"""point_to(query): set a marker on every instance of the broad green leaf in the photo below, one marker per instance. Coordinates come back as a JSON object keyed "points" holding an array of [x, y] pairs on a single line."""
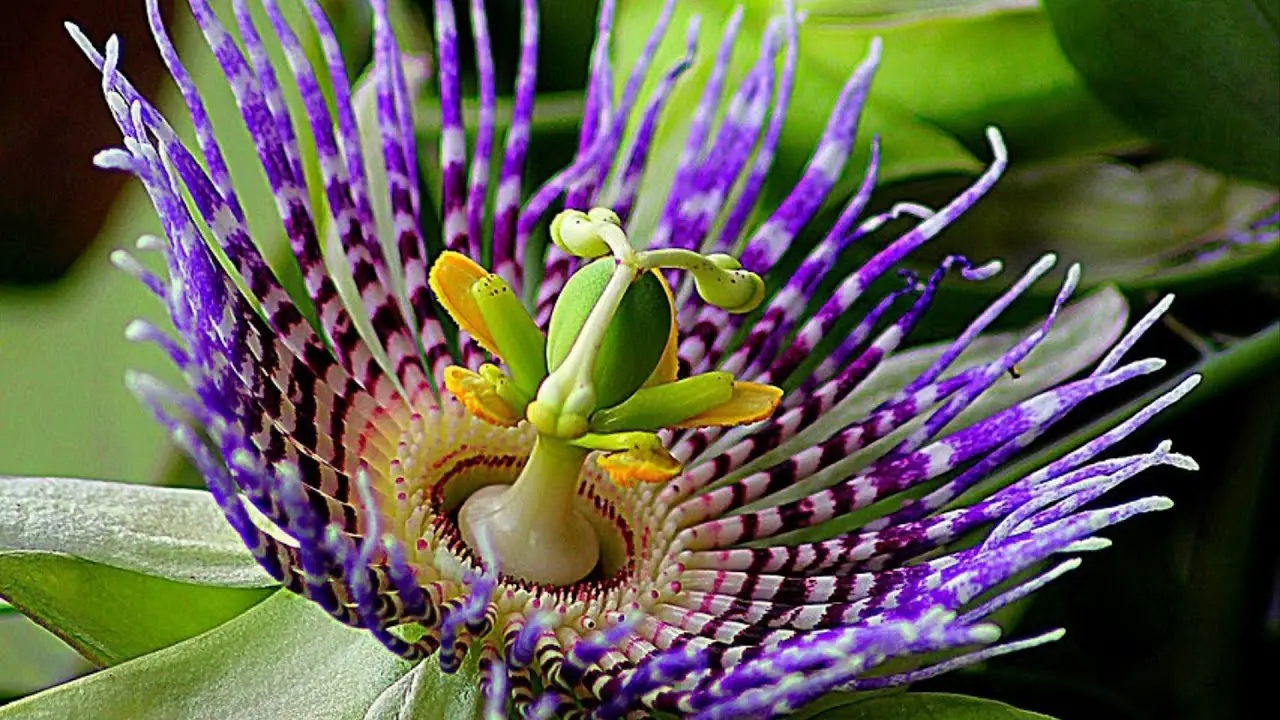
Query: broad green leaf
{"points": [[934, 706], [282, 660], [121, 570], [164, 532], [1201, 78], [111, 615]]}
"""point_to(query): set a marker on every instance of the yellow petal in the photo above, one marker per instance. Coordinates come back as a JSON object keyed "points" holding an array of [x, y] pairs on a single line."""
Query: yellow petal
{"points": [[751, 402], [479, 397], [649, 465], [451, 278]]}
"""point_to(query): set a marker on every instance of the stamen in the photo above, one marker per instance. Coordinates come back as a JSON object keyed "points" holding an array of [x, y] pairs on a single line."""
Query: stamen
{"points": [[603, 393]]}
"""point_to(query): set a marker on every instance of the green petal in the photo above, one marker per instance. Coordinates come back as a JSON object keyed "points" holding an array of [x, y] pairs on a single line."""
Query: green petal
{"points": [[935, 706], [164, 532], [283, 659]]}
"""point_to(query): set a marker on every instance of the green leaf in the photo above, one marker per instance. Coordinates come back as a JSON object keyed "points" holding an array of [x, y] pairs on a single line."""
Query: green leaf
{"points": [[111, 615], [934, 706], [1201, 78], [164, 532], [121, 570], [34, 658], [284, 659]]}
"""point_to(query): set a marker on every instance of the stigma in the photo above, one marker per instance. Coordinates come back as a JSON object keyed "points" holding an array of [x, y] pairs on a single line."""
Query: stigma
{"points": [[596, 385]]}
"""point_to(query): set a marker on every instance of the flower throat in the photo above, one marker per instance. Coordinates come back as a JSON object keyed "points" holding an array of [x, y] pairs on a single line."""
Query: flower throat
{"points": [[603, 378]]}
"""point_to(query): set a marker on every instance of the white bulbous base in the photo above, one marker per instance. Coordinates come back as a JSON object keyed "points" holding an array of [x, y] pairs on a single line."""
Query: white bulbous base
{"points": [[532, 529]]}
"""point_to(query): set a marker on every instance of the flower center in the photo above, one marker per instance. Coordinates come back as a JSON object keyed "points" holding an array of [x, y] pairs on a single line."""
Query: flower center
{"points": [[603, 379], [442, 457]]}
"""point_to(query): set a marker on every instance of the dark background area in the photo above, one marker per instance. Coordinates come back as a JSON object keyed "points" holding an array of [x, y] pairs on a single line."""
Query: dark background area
{"points": [[52, 120]]}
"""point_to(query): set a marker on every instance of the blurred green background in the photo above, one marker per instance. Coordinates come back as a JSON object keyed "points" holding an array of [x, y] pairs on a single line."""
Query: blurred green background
{"points": [[1145, 142]]}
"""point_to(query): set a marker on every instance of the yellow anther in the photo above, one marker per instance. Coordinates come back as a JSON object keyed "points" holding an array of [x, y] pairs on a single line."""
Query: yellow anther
{"points": [[479, 395], [631, 456], [751, 402], [451, 279], [646, 465]]}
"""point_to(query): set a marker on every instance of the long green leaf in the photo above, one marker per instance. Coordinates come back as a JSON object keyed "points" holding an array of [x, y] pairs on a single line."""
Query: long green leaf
{"points": [[111, 615], [165, 532], [282, 660]]}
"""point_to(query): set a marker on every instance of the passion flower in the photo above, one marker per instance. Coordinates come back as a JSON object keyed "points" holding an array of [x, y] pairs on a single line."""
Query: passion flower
{"points": [[602, 493]]}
